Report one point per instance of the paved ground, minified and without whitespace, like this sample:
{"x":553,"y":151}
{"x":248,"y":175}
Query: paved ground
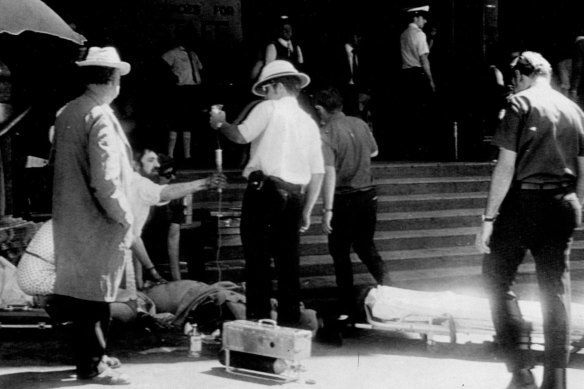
{"x":36,"y":359}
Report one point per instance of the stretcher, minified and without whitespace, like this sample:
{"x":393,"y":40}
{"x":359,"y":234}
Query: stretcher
{"x":447,"y":314}
{"x":24,"y":317}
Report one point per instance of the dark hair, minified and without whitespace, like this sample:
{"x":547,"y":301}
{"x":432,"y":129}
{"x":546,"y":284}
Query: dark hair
{"x":291,"y":83}
{"x":100,"y":75}
{"x":329,"y":98}
{"x":140,"y":153}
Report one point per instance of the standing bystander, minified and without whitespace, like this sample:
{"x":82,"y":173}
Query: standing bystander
{"x":187,"y":69}
{"x":284,"y":173}
{"x":534,"y":204}
{"x":417,"y":84}
{"x":349,"y":196}
{"x":353,"y":77}
{"x":92,"y":216}
{"x":577,"y":77}
{"x":282,"y":48}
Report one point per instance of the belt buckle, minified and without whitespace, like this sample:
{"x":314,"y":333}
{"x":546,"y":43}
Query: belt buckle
{"x":256,"y":184}
{"x":256,"y":179}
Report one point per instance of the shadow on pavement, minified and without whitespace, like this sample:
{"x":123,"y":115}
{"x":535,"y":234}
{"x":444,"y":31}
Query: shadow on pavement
{"x":39,"y":380}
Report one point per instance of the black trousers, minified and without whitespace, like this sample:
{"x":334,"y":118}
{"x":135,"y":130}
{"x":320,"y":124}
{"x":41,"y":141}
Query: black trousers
{"x":270,"y":224}
{"x":353,"y":224}
{"x":417,"y":126}
{"x":90,"y":321}
{"x":543,"y":222}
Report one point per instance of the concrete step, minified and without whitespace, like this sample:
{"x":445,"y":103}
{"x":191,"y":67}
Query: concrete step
{"x":421,"y":220}
{"x":388,"y":170}
{"x":388,"y":203}
{"x":386,"y":221}
{"x":398,"y":183}
{"x":427,"y":185}
{"x":431,"y":201}
{"x":428,"y":217}
{"x":385,"y":240}
{"x":385,"y":186}
{"x":396,"y":260}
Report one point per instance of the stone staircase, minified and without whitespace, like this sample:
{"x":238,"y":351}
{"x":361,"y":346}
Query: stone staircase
{"x":428,"y":216}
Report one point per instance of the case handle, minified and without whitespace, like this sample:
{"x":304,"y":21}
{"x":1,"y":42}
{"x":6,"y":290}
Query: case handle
{"x":267,"y":322}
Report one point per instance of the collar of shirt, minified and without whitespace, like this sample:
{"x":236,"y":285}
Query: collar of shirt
{"x":332,"y":118}
{"x":285,"y":43}
{"x":414,"y":26}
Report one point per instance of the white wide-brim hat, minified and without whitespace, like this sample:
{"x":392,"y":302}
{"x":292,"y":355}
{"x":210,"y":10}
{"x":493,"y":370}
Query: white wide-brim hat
{"x":276,"y":69}
{"x":107,"y":57}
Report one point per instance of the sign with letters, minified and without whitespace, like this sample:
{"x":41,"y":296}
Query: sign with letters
{"x":216,"y":21}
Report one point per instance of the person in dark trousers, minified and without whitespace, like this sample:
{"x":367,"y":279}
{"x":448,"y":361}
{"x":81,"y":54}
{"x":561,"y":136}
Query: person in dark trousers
{"x":349,"y":196}
{"x":284,"y":174}
{"x":416,"y":88}
{"x":534,"y":204}
{"x":187,"y":69}
{"x":92,"y":217}
{"x":353,"y":76}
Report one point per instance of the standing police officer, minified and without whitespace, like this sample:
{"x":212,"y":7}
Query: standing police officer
{"x":534,"y":203}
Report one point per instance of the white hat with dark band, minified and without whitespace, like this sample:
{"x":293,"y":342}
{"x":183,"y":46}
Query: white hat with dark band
{"x":106,"y":57}
{"x":276,"y":69}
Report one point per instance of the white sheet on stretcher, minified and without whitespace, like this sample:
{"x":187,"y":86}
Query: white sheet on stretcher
{"x":469,"y":313}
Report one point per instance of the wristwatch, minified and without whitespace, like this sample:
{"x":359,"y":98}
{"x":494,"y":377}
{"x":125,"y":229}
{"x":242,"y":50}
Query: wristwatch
{"x":488,"y":219}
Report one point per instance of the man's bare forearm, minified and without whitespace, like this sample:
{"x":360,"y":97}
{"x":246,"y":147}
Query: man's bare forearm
{"x":312,"y":192}
{"x":177,"y":191}
{"x":501,"y":181}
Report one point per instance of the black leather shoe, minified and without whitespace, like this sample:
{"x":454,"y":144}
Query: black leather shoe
{"x":522,"y":379}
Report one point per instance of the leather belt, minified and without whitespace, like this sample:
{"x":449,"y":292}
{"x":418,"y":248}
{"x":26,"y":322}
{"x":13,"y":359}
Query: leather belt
{"x":257,"y":180}
{"x":544,"y":185}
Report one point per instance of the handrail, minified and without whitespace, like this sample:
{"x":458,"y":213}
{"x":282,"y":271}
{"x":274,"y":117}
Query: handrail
{"x":14,"y":122}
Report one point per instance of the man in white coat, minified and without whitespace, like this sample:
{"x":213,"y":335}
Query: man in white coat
{"x":91,"y":212}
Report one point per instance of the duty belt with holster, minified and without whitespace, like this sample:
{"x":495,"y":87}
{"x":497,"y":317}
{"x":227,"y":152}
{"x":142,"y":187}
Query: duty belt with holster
{"x":257,"y":180}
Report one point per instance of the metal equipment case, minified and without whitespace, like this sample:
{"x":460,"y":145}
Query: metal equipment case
{"x":267,"y":339}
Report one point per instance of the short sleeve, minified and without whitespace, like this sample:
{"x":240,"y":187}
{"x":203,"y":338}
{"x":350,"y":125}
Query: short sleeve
{"x":422,"y":44}
{"x":257,"y":120}
{"x":147,"y":191}
{"x":506,"y":135}
{"x":328,"y":153}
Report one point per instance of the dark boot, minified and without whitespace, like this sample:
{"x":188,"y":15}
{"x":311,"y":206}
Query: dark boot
{"x":522,"y":379}
{"x":554,"y":378}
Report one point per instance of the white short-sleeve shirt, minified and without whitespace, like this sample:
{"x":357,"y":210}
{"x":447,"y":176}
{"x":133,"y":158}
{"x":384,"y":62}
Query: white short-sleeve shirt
{"x":285,"y":141}
{"x":413,"y":46}
{"x":144,"y":194}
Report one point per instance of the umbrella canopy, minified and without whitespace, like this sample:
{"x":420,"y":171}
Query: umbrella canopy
{"x":17,"y":16}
